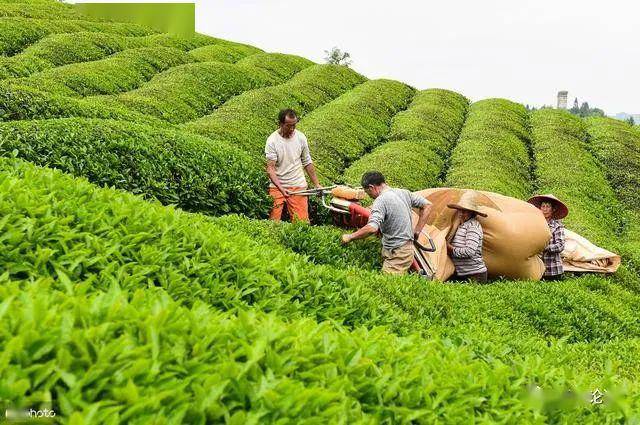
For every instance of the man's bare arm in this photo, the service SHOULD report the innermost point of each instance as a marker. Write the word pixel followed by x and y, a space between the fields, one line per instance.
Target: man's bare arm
pixel 271 171
pixel 311 172
pixel 422 219
pixel 361 233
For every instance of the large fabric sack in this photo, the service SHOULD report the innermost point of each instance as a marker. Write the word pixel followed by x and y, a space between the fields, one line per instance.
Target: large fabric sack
pixel 580 255
pixel 515 232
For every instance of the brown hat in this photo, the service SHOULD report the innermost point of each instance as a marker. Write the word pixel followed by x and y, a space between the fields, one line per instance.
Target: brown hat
pixel 468 202
pixel 561 210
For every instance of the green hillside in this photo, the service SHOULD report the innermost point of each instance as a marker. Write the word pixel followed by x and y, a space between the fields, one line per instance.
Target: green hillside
pixel 141 284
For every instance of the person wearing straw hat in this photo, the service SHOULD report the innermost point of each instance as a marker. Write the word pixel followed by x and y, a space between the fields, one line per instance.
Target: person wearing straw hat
pixel 553 210
pixel 465 249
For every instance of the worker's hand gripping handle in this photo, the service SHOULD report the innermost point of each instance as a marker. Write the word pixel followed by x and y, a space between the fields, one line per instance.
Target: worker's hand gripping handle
pixel 421 247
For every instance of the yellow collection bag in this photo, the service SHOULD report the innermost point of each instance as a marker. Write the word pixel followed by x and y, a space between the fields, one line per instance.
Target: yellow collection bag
pixel 515 232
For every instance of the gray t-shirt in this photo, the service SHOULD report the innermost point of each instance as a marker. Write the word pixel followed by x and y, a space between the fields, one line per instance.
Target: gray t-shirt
pixel 291 156
pixel 391 214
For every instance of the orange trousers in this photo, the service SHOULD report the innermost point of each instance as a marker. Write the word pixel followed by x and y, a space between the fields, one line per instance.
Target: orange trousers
pixel 296 205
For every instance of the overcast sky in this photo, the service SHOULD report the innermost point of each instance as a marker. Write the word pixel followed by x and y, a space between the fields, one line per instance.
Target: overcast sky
pixel 521 50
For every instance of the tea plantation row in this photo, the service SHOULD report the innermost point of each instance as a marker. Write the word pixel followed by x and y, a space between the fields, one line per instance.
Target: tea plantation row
pixel 68 48
pixel 419 142
pixel 492 153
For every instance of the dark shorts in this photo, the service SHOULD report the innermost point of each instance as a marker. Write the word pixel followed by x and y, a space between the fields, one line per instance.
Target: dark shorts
pixel 555 277
pixel 477 277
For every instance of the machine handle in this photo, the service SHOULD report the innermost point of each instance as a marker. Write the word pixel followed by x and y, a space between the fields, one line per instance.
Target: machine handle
pixel 421 247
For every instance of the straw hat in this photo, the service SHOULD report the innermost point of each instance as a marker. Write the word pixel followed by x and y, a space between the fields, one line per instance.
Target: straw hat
pixel 468 202
pixel 561 210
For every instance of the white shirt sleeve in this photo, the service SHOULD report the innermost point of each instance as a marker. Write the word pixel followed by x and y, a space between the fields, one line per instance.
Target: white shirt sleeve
pixel 270 150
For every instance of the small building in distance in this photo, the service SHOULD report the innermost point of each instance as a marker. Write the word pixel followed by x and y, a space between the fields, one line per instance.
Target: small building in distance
pixel 562 99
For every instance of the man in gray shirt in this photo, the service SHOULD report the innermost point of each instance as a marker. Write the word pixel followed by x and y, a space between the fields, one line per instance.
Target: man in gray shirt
pixel 391 215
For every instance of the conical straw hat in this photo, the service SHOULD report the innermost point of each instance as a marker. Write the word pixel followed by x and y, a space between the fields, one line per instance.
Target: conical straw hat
pixel 469 202
pixel 561 210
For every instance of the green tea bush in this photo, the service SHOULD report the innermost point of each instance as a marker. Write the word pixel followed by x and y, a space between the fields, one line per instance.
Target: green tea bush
pixel 19 103
pixel 419 141
pixel 278 66
pixel 64 49
pixel 223 53
pixel 52 10
pixel 565 168
pixel 342 130
pixel 139 357
pixel 186 170
pixel 320 244
pixel 18 33
pixel 248 119
pixel 492 153
pixel 121 72
pixel 186 92
pixel 617 146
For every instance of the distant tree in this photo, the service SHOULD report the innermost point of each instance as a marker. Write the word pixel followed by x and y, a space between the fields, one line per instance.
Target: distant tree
pixel 337 57
pixel 575 110
pixel 585 110
pixel 631 121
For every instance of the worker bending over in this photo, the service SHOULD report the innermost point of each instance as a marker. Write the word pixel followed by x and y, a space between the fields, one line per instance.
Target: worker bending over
pixel 287 153
pixel 391 215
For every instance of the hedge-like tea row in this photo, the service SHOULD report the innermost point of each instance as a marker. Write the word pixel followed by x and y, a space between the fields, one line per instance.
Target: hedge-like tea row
pixel 616 144
pixel 186 170
pixel 492 153
pixel 20 103
pixel 64 49
pixel 190 91
pixel 139 357
pixel 248 119
pixel 223 53
pixel 420 140
pixel 276 65
pixel 18 33
pixel 342 130
pixel 121 72
pixel 565 168
pixel 320 244
pixel 52 10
